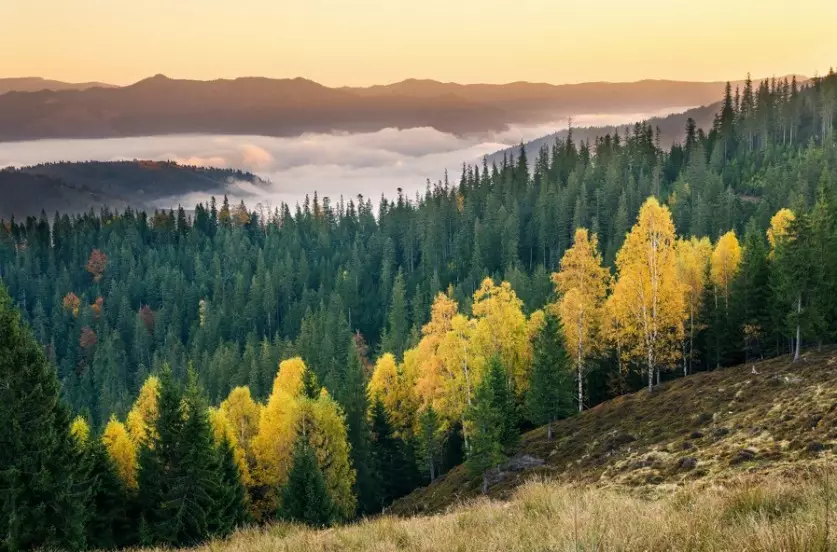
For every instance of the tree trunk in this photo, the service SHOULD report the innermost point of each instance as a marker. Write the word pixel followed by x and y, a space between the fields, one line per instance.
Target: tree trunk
pixel 549 430
pixel 485 482
pixel 798 327
pixel 580 390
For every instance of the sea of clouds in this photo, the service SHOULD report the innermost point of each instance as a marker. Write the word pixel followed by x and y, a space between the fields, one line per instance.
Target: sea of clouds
pixel 333 165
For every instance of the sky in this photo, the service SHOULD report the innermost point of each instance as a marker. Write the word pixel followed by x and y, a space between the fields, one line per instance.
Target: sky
pixel 364 42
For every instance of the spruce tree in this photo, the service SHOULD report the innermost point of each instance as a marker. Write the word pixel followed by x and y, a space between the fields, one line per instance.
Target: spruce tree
pixel 108 526
pixel 485 431
pixel 41 489
pixel 502 400
pixel 390 459
pixel 305 497
pixel 351 395
pixel 177 471
pixel 550 393
pixel 230 498
pixel 430 440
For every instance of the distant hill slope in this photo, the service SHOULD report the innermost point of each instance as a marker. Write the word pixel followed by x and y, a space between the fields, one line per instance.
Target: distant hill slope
pixel 35 84
pixel 773 416
pixel 672 129
pixel 77 187
pixel 285 107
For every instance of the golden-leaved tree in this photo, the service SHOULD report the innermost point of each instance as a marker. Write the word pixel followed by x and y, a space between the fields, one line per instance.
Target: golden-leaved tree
pixel 726 259
pixel 80 430
pixel 143 414
pixel 222 429
pixel 780 224
pixel 287 415
pixel 273 444
pixel 243 414
pixel 323 423
pixel 500 328
pixel 431 374
pixel 692 270
pixel 392 385
pixel 581 284
pixel 648 298
pixel 122 450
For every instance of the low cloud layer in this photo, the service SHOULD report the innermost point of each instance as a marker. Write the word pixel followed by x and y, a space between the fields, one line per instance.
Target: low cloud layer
pixel 332 164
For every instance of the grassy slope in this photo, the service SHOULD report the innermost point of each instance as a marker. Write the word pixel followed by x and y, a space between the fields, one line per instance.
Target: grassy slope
pixel 767 517
pixel 615 478
pixel 706 427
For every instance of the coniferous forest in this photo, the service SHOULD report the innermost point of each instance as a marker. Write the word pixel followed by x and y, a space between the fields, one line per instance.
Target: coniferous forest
pixel 175 375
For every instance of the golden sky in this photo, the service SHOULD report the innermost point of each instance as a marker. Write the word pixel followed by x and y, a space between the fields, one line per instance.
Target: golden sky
pixel 362 42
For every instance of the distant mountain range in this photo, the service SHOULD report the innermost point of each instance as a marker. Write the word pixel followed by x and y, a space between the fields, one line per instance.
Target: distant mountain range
pixel 287 107
pixel 78 187
pixel 36 84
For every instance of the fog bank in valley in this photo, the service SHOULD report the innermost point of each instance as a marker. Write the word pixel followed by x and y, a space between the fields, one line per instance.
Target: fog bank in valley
pixel 333 165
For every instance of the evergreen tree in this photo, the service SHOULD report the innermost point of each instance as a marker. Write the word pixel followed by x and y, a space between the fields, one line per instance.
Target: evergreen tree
pixel 485 430
pixel 230 498
pixel 390 459
pixel 305 497
pixel 550 393
pixel 41 489
pixel 108 526
pixel 177 474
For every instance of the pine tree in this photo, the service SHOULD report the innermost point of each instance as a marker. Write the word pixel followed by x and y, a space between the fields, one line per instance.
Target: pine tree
pixel 550 388
pixel 40 484
pixel 305 498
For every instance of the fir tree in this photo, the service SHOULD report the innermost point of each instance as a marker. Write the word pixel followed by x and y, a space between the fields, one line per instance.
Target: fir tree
pixel 41 489
pixel 550 394
pixel 390 459
pixel 305 497
pixel 485 430
pixel 230 497
pixel 108 526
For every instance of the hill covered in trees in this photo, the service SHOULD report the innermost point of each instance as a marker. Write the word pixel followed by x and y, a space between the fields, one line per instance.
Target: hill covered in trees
pixel 74 188
pixel 231 360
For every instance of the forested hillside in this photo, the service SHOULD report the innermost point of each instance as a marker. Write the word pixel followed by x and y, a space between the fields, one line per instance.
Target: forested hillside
pixel 435 329
pixel 74 188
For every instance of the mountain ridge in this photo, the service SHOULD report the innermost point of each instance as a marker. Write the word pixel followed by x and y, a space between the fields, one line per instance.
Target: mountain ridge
pixel 160 105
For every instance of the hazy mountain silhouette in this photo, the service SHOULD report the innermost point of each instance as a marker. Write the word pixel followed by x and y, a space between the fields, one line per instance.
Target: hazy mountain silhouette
pixel 288 107
pixel 35 84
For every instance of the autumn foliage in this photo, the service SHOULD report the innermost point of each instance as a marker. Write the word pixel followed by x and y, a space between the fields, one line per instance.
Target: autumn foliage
pixel 97 263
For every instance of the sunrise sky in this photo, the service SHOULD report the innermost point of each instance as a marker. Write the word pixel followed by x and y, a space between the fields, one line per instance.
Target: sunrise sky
pixel 362 42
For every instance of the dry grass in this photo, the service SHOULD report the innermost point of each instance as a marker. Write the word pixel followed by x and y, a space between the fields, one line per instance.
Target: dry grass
pixel 728 460
pixel 744 515
pixel 706 428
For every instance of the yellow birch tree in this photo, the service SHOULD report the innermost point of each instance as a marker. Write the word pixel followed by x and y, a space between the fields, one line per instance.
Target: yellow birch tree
pixel 581 283
pixel 648 298
pixel 726 259
pixel 692 268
